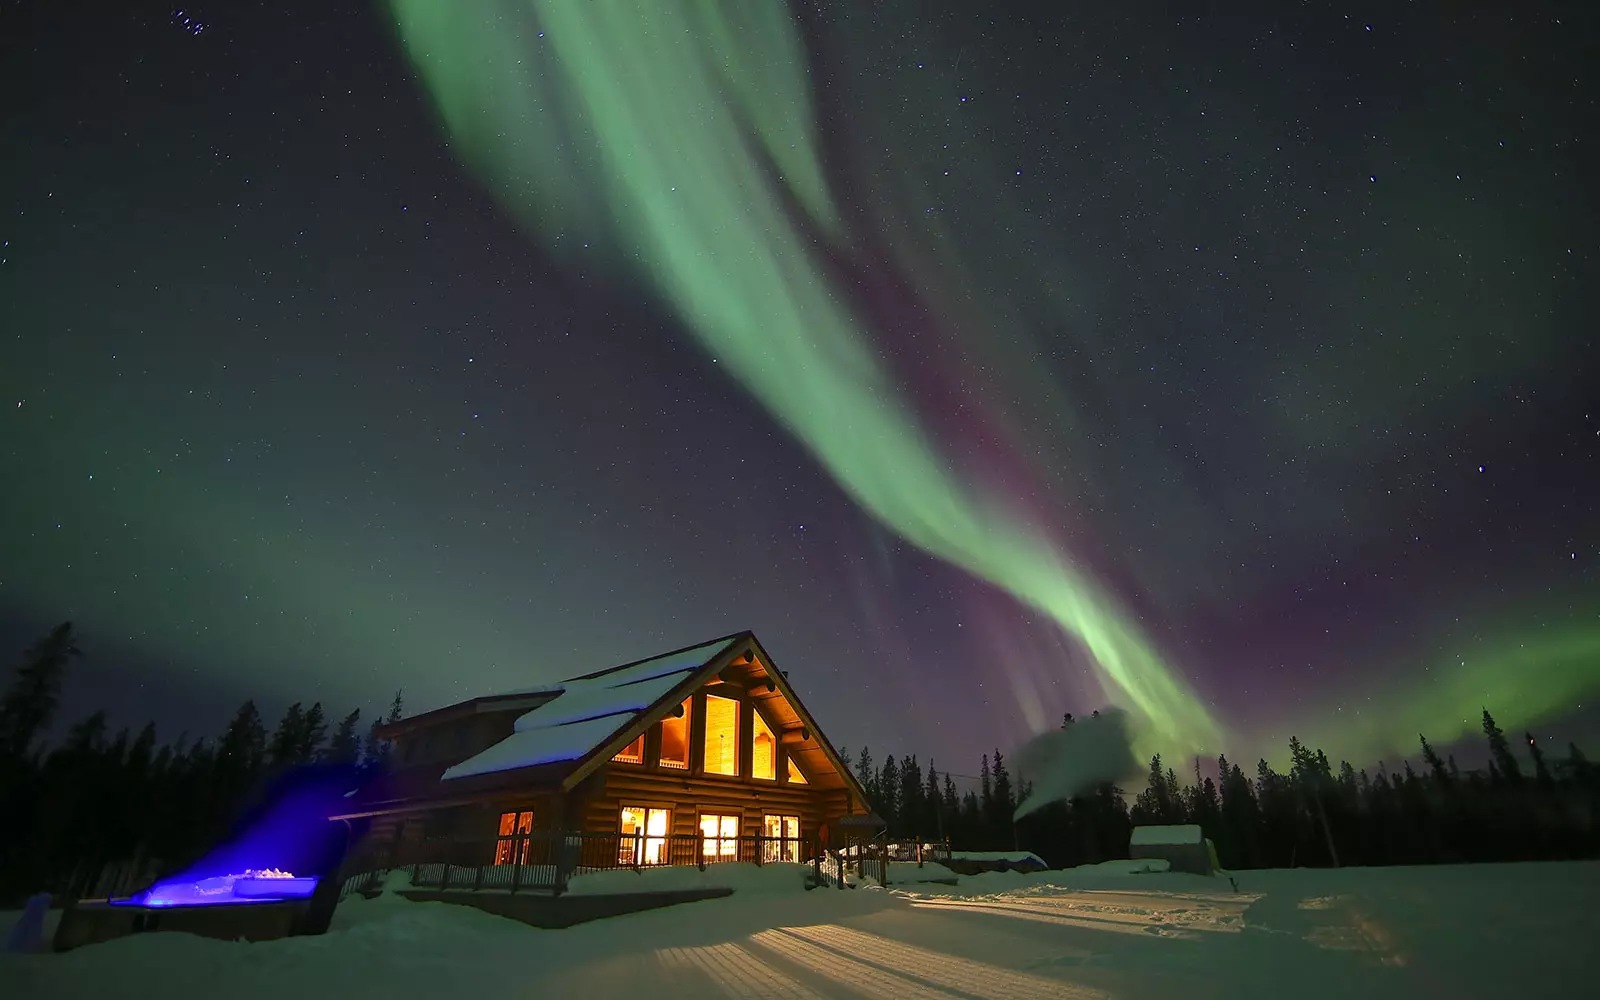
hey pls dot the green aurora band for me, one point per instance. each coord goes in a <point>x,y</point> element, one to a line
<point>674,136</point>
<point>676,141</point>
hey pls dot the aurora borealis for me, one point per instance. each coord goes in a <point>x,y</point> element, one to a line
<point>988,366</point>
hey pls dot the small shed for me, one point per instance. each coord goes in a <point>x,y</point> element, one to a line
<point>1185,847</point>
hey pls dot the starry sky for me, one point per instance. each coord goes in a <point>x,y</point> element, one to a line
<point>1271,332</point>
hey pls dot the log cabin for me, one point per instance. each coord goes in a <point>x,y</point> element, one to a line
<point>707,746</point>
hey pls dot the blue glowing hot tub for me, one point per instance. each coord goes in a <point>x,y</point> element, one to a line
<point>267,885</point>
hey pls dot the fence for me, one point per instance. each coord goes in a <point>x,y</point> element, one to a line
<point>545,860</point>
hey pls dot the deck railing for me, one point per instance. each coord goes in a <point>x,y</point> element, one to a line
<point>545,860</point>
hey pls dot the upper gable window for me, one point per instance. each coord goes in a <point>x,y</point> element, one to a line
<point>675,737</point>
<point>722,735</point>
<point>633,753</point>
<point>794,774</point>
<point>763,751</point>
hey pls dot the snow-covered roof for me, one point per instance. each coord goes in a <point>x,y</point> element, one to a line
<point>1186,834</point>
<point>588,711</point>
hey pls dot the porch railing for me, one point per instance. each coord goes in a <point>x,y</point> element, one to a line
<point>543,861</point>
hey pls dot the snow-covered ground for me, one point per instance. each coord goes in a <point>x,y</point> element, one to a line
<point>1452,932</point>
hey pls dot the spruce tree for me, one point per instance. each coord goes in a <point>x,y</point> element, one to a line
<point>284,750</point>
<point>29,704</point>
<point>313,731</point>
<point>889,793</point>
<point>867,777</point>
<point>1005,802</point>
<point>1435,766</point>
<point>1503,764</point>
<point>1541,773</point>
<point>345,746</point>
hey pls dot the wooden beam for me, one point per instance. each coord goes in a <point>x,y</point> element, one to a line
<point>791,737</point>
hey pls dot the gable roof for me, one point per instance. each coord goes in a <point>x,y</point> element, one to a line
<point>590,709</point>
<point>565,737</point>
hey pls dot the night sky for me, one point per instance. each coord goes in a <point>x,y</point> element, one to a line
<point>1277,329</point>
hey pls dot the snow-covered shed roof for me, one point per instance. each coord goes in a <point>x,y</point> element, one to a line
<point>589,710</point>
<point>1149,835</point>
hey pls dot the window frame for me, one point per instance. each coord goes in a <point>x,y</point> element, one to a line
<point>687,720</point>
<point>758,722</point>
<point>780,848</point>
<point>639,741</point>
<point>705,737</point>
<point>727,847</point>
<point>633,848</point>
<point>511,848</point>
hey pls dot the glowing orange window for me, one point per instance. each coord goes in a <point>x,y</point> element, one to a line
<point>512,847</point>
<point>633,753</point>
<point>763,751</point>
<point>675,737</point>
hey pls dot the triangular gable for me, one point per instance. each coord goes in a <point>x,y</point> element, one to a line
<point>746,643</point>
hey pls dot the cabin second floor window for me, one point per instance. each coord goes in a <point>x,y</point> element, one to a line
<point>722,735</point>
<point>633,753</point>
<point>794,773</point>
<point>675,737</point>
<point>763,751</point>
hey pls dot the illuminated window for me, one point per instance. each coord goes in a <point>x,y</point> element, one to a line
<point>719,837</point>
<point>675,737</point>
<point>512,847</point>
<point>644,836</point>
<point>795,775</point>
<point>722,735</point>
<point>633,753</point>
<point>763,751</point>
<point>780,838</point>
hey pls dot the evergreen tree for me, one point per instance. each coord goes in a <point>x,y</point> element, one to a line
<point>313,731</point>
<point>934,806</point>
<point>345,747</point>
<point>1003,802</point>
<point>1503,764</point>
<point>284,750</point>
<point>986,791</point>
<point>889,793</point>
<point>242,748</point>
<point>1541,773</point>
<point>912,816</point>
<point>29,704</point>
<point>867,776</point>
<point>1435,766</point>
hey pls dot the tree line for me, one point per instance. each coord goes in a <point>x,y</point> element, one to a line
<point>1312,815</point>
<point>98,796</point>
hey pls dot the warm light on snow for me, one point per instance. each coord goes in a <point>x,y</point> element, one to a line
<point>1115,931</point>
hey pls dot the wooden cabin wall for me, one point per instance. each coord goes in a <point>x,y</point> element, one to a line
<point>688,796</point>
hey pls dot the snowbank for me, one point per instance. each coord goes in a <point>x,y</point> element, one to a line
<point>740,876</point>
<point>907,872</point>
<point>1015,857</point>
<point>1103,932</point>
